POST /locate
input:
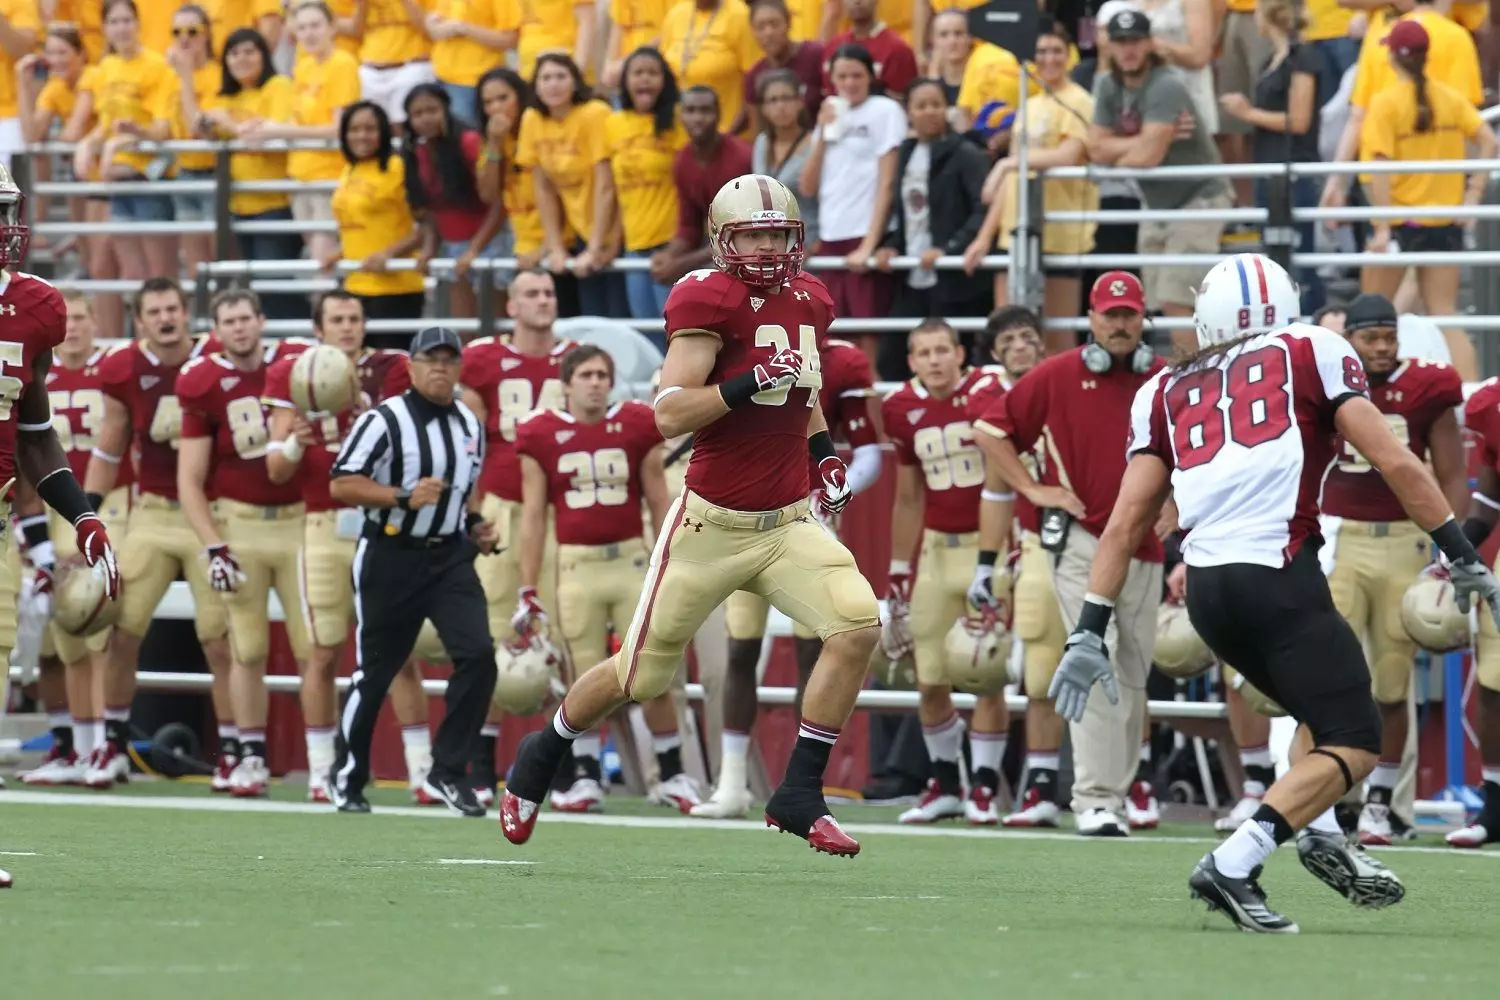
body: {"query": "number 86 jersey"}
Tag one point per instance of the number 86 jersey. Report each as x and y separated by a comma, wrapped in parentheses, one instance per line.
(1250, 439)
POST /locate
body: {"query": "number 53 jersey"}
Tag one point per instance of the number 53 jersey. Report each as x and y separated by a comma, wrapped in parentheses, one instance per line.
(1250, 439)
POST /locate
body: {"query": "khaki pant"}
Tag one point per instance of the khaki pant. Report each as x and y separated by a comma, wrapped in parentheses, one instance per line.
(1106, 744)
(327, 578)
(707, 552)
(10, 591)
(114, 512)
(159, 545)
(1038, 620)
(1373, 565)
(1177, 285)
(598, 586)
(1488, 651)
(500, 574)
(267, 544)
(745, 617)
(940, 597)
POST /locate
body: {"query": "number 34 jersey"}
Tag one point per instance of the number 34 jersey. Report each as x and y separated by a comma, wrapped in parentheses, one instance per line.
(593, 478)
(938, 435)
(1249, 437)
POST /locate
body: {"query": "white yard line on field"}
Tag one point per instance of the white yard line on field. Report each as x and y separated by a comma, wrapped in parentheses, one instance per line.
(678, 823)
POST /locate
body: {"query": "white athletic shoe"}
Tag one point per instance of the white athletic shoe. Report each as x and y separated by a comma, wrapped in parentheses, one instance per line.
(584, 796)
(1471, 837)
(725, 803)
(57, 770)
(1101, 822)
(317, 787)
(107, 768)
(1243, 810)
(679, 791)
(1141, 808)
(979, 807)
(250, 778)
(934, 805)
(1375, 825)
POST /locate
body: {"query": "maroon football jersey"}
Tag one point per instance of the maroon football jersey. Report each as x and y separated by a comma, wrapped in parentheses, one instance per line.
(938, 435)
(378, 371)
(754, 458)
(593, 470)
(32, 322)
(511, 385)
(1412, 398)
(77, 398)
(147, 388)
(223, 402)
(1482, 419)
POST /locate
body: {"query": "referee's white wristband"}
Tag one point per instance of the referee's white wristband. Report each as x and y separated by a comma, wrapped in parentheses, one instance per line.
(995, 496)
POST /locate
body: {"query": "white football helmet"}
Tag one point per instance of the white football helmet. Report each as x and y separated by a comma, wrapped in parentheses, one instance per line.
(529, 672)
(1180, 650)
(80, 605)
(1430, 614)
(324, 380)
(429, 648)
(976, 653)
(1248, 293)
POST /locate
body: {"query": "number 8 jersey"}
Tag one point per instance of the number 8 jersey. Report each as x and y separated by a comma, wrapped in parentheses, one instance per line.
(1249, 436)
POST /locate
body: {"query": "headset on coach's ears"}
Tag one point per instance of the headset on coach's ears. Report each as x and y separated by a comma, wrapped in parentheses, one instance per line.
(1098, 360)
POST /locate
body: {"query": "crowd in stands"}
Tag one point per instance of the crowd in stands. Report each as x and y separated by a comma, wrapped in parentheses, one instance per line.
(573, 134)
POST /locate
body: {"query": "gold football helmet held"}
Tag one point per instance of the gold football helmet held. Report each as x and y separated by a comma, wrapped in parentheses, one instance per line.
(324, 380)
(1180, 650)
(747, 204)
(15, 234)
(80, 603)
(529, 674)
(976, 653)
(1430, 615)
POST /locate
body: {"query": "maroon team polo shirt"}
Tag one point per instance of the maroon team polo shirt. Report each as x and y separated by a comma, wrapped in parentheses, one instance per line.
(698, 182)
(807, 64)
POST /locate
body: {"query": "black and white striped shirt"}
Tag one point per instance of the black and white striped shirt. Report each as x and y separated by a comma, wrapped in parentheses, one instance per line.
(405, 439)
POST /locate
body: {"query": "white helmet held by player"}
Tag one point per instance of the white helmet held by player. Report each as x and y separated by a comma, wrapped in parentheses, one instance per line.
(80, 604)
(1430, 615)
(749, 203)
(1180, 651)
(976, 653)
(324, 380)
(1246, 294)
(528, 673)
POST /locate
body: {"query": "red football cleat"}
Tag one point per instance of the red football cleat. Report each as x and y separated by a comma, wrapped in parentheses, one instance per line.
(517, 817)
(826, 837)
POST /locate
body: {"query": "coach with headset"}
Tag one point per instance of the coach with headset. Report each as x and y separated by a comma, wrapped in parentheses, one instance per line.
(1074, 410)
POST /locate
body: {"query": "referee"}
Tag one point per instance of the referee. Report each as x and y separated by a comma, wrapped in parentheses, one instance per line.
(411, 463)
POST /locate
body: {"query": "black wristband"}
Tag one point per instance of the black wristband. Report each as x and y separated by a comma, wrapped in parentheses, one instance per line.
(986, 557)
(1450, 539)
(96, 500)
(820, 446)
(472, 521)
(737, 391)
(34, 530)
(1095, 618)
(61, 492)
(1476, 530)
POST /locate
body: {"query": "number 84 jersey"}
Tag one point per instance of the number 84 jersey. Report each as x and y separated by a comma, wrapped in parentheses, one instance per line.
(1250, 439)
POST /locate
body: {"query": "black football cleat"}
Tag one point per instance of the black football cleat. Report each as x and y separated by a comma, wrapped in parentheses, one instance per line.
(1242, 900)
(1348, 870)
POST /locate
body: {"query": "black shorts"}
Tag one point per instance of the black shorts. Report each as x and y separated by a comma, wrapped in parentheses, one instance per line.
(1429, 239)
(1279, 628)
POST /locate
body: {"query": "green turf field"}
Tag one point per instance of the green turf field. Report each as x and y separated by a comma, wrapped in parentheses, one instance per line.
(183, 897)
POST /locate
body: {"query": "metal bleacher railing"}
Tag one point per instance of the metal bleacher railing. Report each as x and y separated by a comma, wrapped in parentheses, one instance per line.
(304, 276)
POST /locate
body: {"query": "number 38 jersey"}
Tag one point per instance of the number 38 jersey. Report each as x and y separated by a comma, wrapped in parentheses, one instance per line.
(593, 479)
(224, 402)
(1250, 439)
(754, 458)
(938, 435)
(511, 385)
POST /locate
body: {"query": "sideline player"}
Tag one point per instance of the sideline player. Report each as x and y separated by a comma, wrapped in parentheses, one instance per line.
(140, 400)
(503, 380)
(251, 532)
(940, 477)
(302, 448)
(592, 464)
(848, 386)
(735, 379)
(1242, 434)
(1377, 552)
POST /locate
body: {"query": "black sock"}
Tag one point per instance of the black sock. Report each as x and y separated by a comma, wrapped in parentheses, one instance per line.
(254, 748)
(1489, 815)
(669, 762)
(1274, 823)
(945, 773)
(1143, 771)
(62, 739)
(588, 767)
(117, 733)
(484, 759)
(229, 748)
(987, 777)
(1379, 796)
(534, 769)
(1044, 780)
(809, 759)
(1266, 776)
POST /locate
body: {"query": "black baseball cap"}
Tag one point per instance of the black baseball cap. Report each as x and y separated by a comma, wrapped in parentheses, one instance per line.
(1367, 311)
(1127, 25)
(435, 338)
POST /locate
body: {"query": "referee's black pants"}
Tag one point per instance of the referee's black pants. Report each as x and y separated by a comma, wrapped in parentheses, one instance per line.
(397, 585)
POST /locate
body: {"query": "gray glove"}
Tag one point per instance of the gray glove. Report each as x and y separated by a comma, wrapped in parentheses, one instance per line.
(1085, 661)
(981, 588)
(1472, 578)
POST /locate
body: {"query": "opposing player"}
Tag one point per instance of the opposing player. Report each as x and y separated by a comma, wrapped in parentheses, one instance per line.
(742, 374)
(301, 450)
(1377, 552)
(504, 379)
(940, 477)
(591, 464)
(1242, 434)
(140, 401)
(848, 388)
(70, 666)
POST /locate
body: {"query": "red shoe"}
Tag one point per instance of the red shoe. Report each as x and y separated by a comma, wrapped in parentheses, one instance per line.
(223, 773)
(517, 817)
(825, 837)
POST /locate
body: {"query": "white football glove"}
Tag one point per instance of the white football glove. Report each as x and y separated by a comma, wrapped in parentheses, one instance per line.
(224, 573)
(529, 611)
(784, 368)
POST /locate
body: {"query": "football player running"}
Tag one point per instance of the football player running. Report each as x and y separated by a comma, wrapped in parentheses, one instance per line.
(1242, 434)
(1377, 552)
(742, 374)
(302, 449)
(592, 464)
(140, 401)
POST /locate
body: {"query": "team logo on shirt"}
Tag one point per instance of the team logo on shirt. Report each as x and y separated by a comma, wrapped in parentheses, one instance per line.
(914, 415)
(508, 363)
(225, 384)
(7, 309)
(147, 381)
(756, 303)
(563, 437)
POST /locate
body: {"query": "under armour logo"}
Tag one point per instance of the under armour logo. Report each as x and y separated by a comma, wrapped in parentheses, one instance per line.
(798, 294)
(7, 309)
(613, 427)
(688, 522)
(1089, 383)
(1393, 395)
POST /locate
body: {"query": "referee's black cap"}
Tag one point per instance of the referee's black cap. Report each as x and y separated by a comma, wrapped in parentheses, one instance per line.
(435, 338)
(1369, 310)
